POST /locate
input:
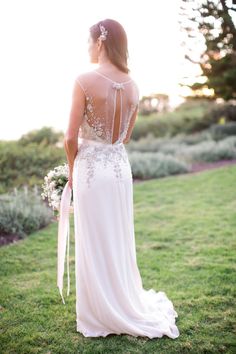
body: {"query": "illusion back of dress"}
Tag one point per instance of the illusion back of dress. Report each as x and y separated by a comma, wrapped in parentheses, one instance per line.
(111, 107)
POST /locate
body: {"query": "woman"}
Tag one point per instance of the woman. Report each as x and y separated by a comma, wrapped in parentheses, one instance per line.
(109, 293)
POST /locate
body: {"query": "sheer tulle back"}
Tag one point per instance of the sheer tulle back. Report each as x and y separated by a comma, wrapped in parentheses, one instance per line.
(110, 108)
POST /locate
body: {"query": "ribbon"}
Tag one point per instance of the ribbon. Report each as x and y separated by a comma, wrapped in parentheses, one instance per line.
(63, 237)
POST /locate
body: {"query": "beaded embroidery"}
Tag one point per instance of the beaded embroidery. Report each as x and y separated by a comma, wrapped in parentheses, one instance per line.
(95, 122)
(118, 86)
(107, 154)
(95, 127)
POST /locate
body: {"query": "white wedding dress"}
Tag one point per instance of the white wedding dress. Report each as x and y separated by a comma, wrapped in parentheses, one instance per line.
(110, 298)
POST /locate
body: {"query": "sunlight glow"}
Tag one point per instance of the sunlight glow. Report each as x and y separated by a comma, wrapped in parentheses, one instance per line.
(44, 47)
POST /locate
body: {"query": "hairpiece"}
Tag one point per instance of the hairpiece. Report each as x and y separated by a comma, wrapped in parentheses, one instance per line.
(104, 32)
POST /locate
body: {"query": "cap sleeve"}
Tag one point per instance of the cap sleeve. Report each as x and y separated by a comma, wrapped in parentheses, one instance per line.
(79, 81)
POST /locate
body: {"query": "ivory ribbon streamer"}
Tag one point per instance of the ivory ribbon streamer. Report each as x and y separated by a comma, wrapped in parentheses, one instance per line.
(63, 237)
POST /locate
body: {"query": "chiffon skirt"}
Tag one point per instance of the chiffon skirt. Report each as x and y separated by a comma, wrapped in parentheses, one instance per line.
(110, 298)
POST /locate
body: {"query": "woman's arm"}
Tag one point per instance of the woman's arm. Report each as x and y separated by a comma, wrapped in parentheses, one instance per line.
(75, 121)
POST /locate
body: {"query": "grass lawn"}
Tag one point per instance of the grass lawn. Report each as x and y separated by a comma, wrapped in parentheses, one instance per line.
(185, 229)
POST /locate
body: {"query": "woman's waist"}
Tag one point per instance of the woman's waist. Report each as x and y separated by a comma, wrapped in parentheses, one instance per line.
(82, 141)
(92, 149)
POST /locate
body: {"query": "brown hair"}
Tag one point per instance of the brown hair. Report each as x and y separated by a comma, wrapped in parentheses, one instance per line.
(116, 43)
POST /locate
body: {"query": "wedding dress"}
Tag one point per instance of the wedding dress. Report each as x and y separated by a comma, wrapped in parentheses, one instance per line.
(110, 298)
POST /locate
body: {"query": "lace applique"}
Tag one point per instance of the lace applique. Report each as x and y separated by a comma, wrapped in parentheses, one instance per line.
(94, 124)
(92, 127)
(107, 154)
(99, 116)
(94, 121)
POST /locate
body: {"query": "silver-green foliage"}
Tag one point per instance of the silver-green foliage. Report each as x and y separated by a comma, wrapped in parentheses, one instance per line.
(152, 165)
(187, 149)
(208, 151)
(23, 212)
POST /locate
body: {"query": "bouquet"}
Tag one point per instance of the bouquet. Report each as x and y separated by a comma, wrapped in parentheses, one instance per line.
(54, 183)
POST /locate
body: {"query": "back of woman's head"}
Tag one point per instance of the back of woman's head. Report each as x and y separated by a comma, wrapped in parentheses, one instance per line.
(115, 44)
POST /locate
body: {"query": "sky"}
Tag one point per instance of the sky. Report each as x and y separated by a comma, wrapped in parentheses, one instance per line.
(44, 47)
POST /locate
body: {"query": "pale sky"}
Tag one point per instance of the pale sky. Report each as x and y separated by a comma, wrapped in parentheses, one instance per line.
(44, 47)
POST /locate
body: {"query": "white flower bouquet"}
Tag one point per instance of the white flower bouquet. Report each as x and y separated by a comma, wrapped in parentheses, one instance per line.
(54, 183)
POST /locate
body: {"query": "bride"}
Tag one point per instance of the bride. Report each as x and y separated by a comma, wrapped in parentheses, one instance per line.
(110, 298)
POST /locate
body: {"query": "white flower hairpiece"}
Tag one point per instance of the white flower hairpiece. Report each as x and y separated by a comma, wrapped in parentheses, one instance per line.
(104, 32)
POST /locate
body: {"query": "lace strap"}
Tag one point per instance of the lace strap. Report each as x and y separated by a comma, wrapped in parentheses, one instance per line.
(81, 85)
(106, 77)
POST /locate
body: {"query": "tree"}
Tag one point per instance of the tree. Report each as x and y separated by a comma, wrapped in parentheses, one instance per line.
(212, 21)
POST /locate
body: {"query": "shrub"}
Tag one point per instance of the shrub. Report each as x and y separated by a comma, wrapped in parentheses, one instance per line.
(192, 139)
(189, 118)
(153, 165)
(226, 110)
(209, 151)
(26, 164)
(23, 212)
(219, 131)
(151, 157)
(165, 144)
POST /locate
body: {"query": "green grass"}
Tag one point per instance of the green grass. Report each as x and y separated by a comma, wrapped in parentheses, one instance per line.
(185, 239)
